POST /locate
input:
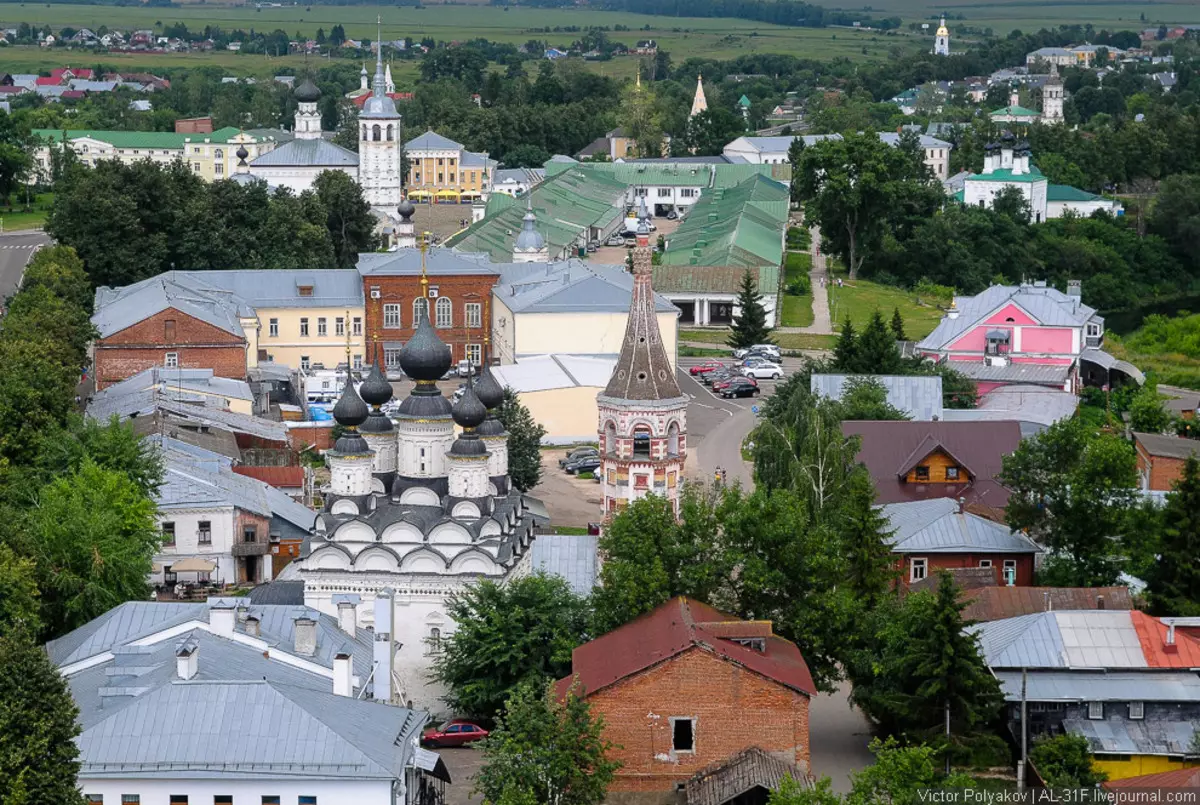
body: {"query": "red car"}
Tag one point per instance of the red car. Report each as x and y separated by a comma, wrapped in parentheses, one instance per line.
(454, 733)
(722, 384)
(706, 367)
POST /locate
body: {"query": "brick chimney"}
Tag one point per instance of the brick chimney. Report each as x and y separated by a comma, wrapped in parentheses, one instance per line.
(347, 608)
(304, 632)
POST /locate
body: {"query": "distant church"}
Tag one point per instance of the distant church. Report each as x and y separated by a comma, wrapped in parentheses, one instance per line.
(941, 41)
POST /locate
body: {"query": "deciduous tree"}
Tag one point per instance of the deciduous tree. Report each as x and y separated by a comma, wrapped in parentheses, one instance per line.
(524, 442)
(1065, 761)
(347, 217)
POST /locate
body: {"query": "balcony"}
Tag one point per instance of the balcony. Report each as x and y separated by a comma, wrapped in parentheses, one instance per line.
(1094, 341)
(251, 548)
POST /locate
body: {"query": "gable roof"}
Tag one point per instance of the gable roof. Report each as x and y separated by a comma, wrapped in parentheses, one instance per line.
(331, 287)
(568, 286)
(937, 526)
(432, 141)
(1047, 306)
(740, 227)
(677, 626)
(119, 308)
(438, 262)
(1156, 444)
(919, 396)
(1176, 778)
(887, 447)
(306, 153)
(997, 603)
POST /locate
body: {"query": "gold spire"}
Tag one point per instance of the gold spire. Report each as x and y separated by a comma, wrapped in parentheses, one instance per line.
(424, 275)
(347, 331)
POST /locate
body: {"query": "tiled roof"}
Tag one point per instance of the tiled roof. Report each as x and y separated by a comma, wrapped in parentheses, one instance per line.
(1047, 306)
(1167, 446)
(673, 628)
(1176, 778)
(998, 603)
(306, 153)
(937, 526)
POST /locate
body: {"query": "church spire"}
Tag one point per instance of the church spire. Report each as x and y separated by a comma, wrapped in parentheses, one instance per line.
(699, 102)
(380, 84)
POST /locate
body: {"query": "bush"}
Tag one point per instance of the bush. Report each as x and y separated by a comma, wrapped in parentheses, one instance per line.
(798, 238)
(800, 286)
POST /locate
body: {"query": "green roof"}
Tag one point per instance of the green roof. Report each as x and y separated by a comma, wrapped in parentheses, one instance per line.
(565, 205)
(1015, 111)
(1006, 175)
(673, 174)
(138, 139)
(735, 229)
(1063, 192)
(743, 101)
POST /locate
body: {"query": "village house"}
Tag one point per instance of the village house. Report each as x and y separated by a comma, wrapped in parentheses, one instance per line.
(1123, 680)
(1160, 459)
(696, 700)
(915, 461)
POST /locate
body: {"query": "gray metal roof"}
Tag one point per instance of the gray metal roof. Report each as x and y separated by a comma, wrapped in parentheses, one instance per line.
(919, 396)
(265, 288)
(1048, 306)
(438, 261)
(202, 411)
(937, 526)
(771, 144)
(1093, 686)
(569, 556)
(119, 308)
(171, 381)
(1028, 373)
(279, 592)
(1103, 359)
(306, 153)
(926, 141)
(1024, 403)
(568, 286)
(432, 141)
(1069, 639)
(528, 176)
(1141, 737)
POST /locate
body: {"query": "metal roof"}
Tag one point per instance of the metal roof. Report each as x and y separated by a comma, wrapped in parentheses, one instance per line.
(926, 141)
(1050, 374)
(170, 381)
(937, 526)
(281, 288)
(137, 139)
(1106, 361)
(1133, 737)
(919, 396)
(545, 372)
(1094, 686)
(432, 141)
(571, 557)
(306, 153)
(1024, 403)
(119, 308)
(1069, 639)
(741, 226)
(568, 286)
(438, 262)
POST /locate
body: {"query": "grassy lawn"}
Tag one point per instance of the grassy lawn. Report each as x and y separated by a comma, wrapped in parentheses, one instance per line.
(700, 352)
(797, 310)
(1170, 368)
(19, 218)
(786, 341)
(1003, 16)
(863, 298)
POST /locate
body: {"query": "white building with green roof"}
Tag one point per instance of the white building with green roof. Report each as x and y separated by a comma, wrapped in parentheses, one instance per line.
(1015, 113)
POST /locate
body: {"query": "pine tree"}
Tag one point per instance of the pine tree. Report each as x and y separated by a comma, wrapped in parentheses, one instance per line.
(877, 352)
(524, 442)
(750, 324)
(845, 352)
(795, 152)
(39, 760)
(1175, 585)
(898, 325)
(870, 568)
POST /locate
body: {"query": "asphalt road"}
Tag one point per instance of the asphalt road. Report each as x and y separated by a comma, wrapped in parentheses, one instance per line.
(15, 251)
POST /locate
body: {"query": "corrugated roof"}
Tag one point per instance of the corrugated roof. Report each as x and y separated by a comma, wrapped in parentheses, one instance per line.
(308, 154)
(671, 629)
(996, 603)
(740, 227)
(919, 396)
(1177, 778)
(568, 286)
(438, 262)
(1096, 686)
(937, 526)
(1129, 737)
(1026, 373)
(571, 557)
(1047, 306)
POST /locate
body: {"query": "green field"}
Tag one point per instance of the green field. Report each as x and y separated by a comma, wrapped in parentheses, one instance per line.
(797, 310)
(861, 299)
(718, 38)
(1005, 15)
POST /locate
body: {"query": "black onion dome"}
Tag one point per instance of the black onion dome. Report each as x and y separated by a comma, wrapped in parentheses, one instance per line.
(488, 389)
(307, 92)
(377, 422)
(406, 209)
(492, 427)
(350, 411)
(242, 153)
(469, 412)
(425, 406)
(425, 357)
(376, 390)
(468, 446)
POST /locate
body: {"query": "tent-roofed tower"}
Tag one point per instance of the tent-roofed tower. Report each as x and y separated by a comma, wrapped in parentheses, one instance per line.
(699, 102)
(379, 138)
(643, 414)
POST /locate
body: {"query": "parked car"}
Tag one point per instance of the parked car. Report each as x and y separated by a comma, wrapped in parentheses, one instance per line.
(615, 240)
(591, 247)
(772, 371)
(584, 464)
(755, 360)
(765, 349)
(725, 382)
(714, 376)
(453, 733)
(740, 387)
(466, 369)
(706, 367)
(576, 454)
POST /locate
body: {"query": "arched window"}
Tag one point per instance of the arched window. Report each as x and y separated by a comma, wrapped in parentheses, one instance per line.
(610, 439)
(435, 640)
(219, 154)
(390, 132)
(364, 128)
(641, 441)
(445, 313)
(673, 439)
(420, 309)
(376, 132)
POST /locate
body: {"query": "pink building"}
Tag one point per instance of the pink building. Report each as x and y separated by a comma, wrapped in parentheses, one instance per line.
(1029, 335)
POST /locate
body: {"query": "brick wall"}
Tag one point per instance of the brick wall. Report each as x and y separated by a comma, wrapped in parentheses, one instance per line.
(957, 560)
(199, 345)
(319, 437)
(1161, 470)
(733, 709)
(459, 289)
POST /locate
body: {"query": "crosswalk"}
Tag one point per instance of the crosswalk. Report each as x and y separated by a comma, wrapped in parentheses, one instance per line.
(22, 246)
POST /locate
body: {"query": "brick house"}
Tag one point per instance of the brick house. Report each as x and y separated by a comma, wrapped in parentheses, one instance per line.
(159, 322)
(459, 285)
(925, 460)
(694, 698)
(1160, 459)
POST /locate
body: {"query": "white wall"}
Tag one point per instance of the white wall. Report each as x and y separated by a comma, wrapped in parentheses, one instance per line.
(297, 178)
(187, 541)
(248, 791)
(1057, 209)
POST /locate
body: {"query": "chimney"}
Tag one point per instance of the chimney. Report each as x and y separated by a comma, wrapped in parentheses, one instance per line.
(382, 673)
(347, 607)
(252, 626)
(952, 313)
(343, 673)
(187, 658)
(1170, 646)
(962, 505)
(243, 612)
(304, 632)
(221, 617)
(1074, 288)
(1100, 602)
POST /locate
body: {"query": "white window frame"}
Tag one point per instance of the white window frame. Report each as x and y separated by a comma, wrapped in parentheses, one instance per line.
(339, 326)
(322, 327)
(419, 304)
(391, 357)
(444, 313)
(1095, 711)
(304, 327)
(391, 316)
(305, 363)
(475, 354)
(356, 328)
(273, 328)
(985, 562)
(171, 360)
(915, 563)
(1137, 711)
(474, 312)
(357, 363)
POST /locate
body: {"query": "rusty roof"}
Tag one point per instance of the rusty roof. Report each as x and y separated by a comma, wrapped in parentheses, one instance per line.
(996, 603)
(675, 627)
(1176, 778)
(283, 477)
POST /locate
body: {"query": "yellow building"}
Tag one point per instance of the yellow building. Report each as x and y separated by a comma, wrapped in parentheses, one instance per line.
(446, 172)
(560, 392)
(211, 156)
(1119, 767)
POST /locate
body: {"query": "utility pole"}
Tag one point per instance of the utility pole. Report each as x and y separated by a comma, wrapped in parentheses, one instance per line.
(1024, 734)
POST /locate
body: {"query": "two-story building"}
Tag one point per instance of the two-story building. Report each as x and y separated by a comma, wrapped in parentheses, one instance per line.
(442, 170)
(699, 702)
(774, 150)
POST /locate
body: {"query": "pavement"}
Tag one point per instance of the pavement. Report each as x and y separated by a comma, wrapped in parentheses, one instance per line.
(838, 737)
(15, 250)
(822, 321)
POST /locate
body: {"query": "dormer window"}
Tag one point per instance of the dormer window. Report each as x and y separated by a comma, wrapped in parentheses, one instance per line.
(922, 473)
(304, 290)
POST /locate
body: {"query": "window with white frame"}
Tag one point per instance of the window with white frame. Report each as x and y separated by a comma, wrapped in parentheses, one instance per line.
(171, 360)
(357, 327)
(304, 327)
(918, 569)
(391, 316)
(475, 354)
(339, 326)
(474, 314)
(273, 328)
(1137, 710)
(322, 327)
(304, 362)
(985, 562)
(420, 308)
(1096, 711)
(445, 312)
(391, 357)
(664, 192)
(357, 364)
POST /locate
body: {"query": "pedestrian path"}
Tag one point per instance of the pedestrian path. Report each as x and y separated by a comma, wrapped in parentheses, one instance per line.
(822, 322)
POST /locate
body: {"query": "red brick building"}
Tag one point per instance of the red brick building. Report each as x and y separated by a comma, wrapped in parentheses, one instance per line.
(688, 693)
(159, 322)
(1160, 459)
(459, 286)
(928, 535)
